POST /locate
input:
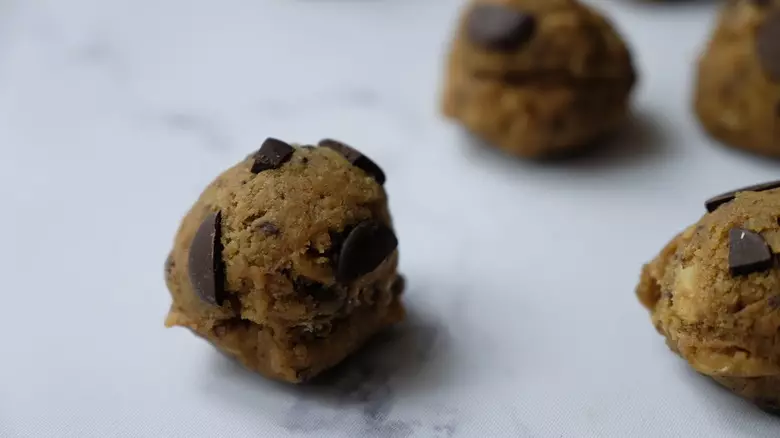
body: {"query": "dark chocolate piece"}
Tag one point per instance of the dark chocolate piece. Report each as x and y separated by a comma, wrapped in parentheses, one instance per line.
(768, 45)
(272, 154)
(713, 203)
(748, 252)
(206, 269)
(356, 158)
(365, 248)
(499, 28)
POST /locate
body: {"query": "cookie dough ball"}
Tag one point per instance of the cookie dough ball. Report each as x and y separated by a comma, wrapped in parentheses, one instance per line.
(714, 293)
(737, 96)
(287, 261)
(537, 77)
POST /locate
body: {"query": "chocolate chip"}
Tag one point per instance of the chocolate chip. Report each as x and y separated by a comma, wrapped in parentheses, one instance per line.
(748, 252)
(269, 229)
(318, 291)
(356, 158)
(713, 203)
(398, 285)
(272, 154)
(365, 248)
(773, 302)
(499, 28)
(768, 45)
(206, 269)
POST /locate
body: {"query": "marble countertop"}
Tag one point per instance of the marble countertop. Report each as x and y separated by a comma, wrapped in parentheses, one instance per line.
(114, 114)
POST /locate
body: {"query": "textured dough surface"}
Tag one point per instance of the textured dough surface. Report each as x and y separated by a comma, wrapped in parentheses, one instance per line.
(725, 326)
(568, 85)
(735, 99)
(285, 315)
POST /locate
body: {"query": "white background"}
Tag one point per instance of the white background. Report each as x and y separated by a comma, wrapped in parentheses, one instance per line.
(114, 114)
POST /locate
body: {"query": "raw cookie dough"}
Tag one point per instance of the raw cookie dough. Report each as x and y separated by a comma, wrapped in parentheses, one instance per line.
(537, 77)
(714, 293)
(737, 96)
(287, 261)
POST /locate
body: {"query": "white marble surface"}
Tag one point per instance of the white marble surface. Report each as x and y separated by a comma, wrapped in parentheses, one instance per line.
(114, 114)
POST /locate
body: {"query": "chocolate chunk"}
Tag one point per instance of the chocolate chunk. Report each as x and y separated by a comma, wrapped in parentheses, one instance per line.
(318, 291)
(365, 248)
(206, 269)
(713, 203)
(356, 158)
(748, 252)
(499, 28)
(272, 154)
(773, 302)
(269, 229)
(768, 45)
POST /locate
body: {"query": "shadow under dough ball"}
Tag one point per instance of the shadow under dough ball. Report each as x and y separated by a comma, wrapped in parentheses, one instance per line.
(537, 78)
(737, 97)
(287, 261)
(713, 293)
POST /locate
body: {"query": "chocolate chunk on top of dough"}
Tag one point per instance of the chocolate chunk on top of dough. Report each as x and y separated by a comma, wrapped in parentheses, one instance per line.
(713, 203)
(365, 248)
(748, 252)
(768, 45)
(500, 28)
(206, 269)
(272, 154)
(356, 158)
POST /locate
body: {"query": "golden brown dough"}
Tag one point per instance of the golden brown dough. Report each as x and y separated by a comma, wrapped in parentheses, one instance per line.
(287, 261)
(714, 293)
(737, 97)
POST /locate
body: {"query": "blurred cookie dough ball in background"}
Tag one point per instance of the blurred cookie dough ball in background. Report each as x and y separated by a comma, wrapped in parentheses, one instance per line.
(737, 96)
(537, 78)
